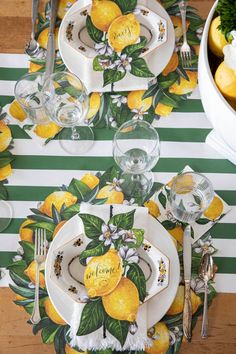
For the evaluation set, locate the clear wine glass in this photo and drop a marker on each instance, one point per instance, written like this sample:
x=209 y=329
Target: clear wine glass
x=136 y=150
x=5 y=214
x=190 y=195
x=67 y=103
x=28 y=92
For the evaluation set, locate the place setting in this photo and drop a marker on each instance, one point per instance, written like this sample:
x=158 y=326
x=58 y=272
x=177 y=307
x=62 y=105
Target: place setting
x=121 y=258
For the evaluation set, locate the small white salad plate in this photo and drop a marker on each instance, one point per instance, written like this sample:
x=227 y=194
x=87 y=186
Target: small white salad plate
x=64 y=273
x=77 y=48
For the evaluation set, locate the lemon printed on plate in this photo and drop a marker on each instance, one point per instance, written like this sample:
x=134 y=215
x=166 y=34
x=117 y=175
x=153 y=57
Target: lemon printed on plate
x=123 y=302
x=103 y=274
x=123 y=31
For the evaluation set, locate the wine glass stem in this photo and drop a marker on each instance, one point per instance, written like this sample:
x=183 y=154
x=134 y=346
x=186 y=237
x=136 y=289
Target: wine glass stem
x=74 y=134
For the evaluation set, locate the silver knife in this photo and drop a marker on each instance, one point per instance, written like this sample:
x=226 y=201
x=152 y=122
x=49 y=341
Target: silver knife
x=51 y=40
x=187 y=255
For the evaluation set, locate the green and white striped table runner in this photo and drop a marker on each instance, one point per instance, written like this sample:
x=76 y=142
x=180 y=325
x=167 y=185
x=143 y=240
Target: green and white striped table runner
x=37 y=171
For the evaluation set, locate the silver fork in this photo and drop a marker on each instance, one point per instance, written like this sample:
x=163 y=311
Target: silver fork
x=185 y=51
x=39 y=257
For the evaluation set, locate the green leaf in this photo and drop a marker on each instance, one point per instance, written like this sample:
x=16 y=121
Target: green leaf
x=3 y=192
x=4 y=161
x=60 y=341
x=42 y=225
x=139 y=68
x=119 y=329
x=92 y=317
x=182 y=73
x=169 y=99
x=79 y=189
x=202 y=221
x=162 y=199
x=123 y=221
x=157 y=97
x=135 y=49
x=136 y=275
x=71 y=211
x=96 y=65
x=44 y=322
x=28 y=248
x=55 y=215
x=168 y=225
x=110 y=76
x=18 y=267
x=126 y=6
x=108 y=176
x=139 y=234
x=94 y=248
x=93 y=32
x=192 y=38
x=167 y=81
x=24 y=303
x=26 y=292
x=39 y=218
x=100 y=201
x=19 y=279
x=151 y=91
x=92 y=225
x=48 y=333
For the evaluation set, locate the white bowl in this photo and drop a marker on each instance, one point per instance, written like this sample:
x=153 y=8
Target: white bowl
x=218 y=111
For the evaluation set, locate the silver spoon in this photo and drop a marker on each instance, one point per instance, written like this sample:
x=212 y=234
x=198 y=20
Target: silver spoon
x=32 y=46
x=206 y=273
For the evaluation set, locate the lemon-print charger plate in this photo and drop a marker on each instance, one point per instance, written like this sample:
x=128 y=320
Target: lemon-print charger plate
x=81 y=64
x=68 y=273
x=158 y=237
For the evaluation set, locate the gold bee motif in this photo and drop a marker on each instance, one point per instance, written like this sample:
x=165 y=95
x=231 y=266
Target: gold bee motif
x=84 y=13
x=82 y=48
x=69 y=30
x=146 y=247
x=145 y=12
x=73 y=289
x=78 y=243
x=57 y=264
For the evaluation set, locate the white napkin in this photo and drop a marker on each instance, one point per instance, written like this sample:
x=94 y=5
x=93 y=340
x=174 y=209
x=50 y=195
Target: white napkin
x=95 y=340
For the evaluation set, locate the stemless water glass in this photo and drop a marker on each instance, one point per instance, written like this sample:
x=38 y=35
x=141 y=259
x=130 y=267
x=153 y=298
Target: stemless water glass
x=28 y=92
x=67 y=102
x=190 y=195
x=136 y=150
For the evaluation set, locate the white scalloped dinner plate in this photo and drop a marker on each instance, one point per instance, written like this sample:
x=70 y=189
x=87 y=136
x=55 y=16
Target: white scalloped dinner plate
x=80 y=65
x=158 y=305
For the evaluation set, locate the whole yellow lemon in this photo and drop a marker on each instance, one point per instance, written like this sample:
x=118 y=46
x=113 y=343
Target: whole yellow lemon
x=185 y=86
x=47 y=130
x=5 y=136
x=94 y=105
x=113 y=196
x=160 y=345
x=43 y=38
x=172 y=65
x=225 y=79
x=124 y=31
x=216 y=39
x=103 y=273
x=17 y=112
x=123 y=302
x=215 y=209
x=5 y=172
x=103 y=13
x=31 y=273
x=90 y=180
x=163 y=110
x=52 y=312
x=135 y=101
x=153 y=208
x=178 y=303
x=25 y=233
x=58 y=199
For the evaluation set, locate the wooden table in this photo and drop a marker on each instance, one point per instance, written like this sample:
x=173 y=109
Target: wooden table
x=15 y=334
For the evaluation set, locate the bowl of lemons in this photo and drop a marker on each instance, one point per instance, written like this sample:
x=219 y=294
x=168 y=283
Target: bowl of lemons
x=217 y=73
